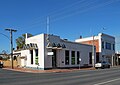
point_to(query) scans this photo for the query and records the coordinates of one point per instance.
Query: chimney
(27, 35)
(65, 39)
(80, 37)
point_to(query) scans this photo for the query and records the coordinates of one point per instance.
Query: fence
(7, 63)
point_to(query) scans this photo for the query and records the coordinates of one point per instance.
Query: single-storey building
(50, 51)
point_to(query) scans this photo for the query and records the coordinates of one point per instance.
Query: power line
(56, 11)
(68, 11)
(73, 8)
(38, 22)
(82, 10)
(5, 36)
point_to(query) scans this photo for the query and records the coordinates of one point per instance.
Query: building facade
(50, 51)
(105, 46)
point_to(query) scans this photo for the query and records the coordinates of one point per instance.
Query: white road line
(107, 81)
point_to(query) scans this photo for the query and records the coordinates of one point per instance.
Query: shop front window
(31, 52)
(73, 57)
(78, 57)
(36, 56)
(67, 57)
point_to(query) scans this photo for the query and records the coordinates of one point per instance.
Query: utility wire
(82, 10)
(56, 11)
(73, 9)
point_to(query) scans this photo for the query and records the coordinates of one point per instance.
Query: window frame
(78, 57)
(67, 55)
(72, 57)
(108, 46)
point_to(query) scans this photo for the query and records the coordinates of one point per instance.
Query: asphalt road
(84, 77)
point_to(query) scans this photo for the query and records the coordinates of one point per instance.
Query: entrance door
(54, 60)
(118, 61)
(90, 58)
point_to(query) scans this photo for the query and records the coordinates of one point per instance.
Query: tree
(4, 55)
(20, 41)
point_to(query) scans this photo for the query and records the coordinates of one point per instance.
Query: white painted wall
(71, 46)
(108, 39)
(45, 61)
(24, 61)
(106, 52)
(39, 40)
(101, 37)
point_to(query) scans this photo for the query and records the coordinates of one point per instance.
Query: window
(102, 44)
(36, 56)
(73, 57)
(78, 56)
(97, 57)
(15, 57)
(108, 46)
(36, 52)
(31, 52)
(90, 58)
(113, 46)
(67, 57)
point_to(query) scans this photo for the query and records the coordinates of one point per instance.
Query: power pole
(93, 53)
(48, 27)
(11, 45)
(48, 24)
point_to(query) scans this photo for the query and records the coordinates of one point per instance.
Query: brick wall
(96, 43)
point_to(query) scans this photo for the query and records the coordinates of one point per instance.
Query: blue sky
(68, 18)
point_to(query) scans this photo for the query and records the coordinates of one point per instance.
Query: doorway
(90, 57)
(118, 61)
(54, 59)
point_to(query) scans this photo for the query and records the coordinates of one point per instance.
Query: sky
(69, 19)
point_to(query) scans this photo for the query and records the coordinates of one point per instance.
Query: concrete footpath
(46, 71)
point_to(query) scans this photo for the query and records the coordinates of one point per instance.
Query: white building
(50, 51)
(105, 46)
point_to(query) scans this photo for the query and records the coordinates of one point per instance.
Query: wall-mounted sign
(50, 53)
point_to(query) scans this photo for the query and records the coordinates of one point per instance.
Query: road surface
(83, 77)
